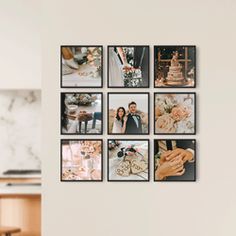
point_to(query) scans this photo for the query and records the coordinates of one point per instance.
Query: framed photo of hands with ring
(174, 160)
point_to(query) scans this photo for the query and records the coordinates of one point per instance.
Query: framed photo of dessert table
(128, 66)
(81, 113)
(128, 113)
(174, 160)
(175, 66)
(175, 113)
(81, 66)
(81, 160)
(128, 160)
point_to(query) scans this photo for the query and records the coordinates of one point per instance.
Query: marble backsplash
(20, 121)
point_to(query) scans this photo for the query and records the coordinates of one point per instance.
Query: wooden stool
(8, 231)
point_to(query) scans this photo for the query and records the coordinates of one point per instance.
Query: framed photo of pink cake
(175, 113)
(81, 160)
(175, 66)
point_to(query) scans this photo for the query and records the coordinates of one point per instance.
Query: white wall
(20, 49)
(204, 208)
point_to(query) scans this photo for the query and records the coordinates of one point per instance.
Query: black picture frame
(102, 161)
(195, 115)
(155, 64)
(108, 79)
(123, 139)
(195, 161)
(102, 65)
(148, 104)
(82, 134)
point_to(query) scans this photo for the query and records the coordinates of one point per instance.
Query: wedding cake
(175, 75)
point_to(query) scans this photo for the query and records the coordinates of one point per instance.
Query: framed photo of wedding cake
(128, 66)
(175, 66)
(81, 66)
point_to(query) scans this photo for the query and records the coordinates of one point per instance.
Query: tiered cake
(175, 75)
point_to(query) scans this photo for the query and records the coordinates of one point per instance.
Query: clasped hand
(172, 163)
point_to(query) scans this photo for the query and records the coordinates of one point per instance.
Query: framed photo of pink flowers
(175, 113)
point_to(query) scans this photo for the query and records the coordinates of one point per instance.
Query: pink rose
(179, 113)
(165, 124)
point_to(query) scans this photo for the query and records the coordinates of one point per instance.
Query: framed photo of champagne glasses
(128, 160)
(175, 66)
(128, 66)
(81, 66)
(175, 113)
(81, 160)
(81, 113)
(174, 160)
(128, 113)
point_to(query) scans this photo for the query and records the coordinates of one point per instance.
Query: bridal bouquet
(174, 113)
(132, 77)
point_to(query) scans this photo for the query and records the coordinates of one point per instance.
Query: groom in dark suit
(141, 61)
(133, 123)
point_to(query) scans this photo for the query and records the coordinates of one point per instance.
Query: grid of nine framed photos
(128, 113)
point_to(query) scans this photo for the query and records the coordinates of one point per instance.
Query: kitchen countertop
(24, 189)
(3, 176)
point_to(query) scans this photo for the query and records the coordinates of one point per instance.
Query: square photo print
(175, 160)
(128, 160)
(81, 113)
(175, 66)
(128, 113)
(81, 160)
(81, 66)
(175, 113)
(128, 66)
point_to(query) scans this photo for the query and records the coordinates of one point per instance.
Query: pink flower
(165, 124)
(179, 113)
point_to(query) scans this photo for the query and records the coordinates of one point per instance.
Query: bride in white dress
(119, 124)
(116, 77)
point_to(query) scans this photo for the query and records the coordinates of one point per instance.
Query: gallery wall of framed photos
(126, 122)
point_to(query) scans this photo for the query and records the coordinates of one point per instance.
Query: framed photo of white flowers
(175, 113)
(175, 66)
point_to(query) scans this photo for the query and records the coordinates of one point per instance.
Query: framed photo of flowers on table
(175, 113)
(81, 160)
(81, 113)
(128, 160)
(81, 66)
(174, 160)
(175, 66)
(128, 113)
(128, 66)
